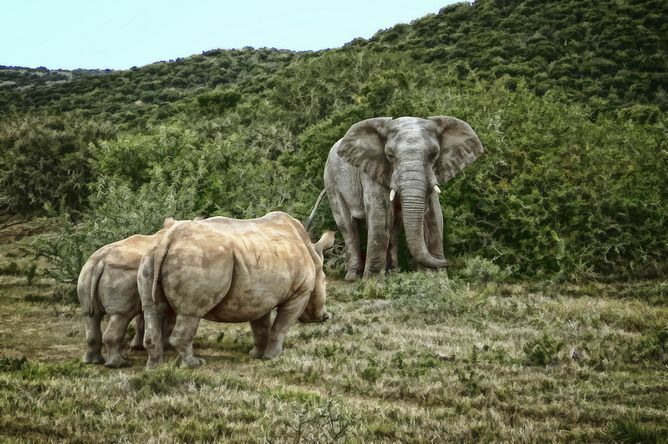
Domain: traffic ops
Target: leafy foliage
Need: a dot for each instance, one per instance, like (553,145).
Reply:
(566,96)
(542,351)
(608,54)
(44,163)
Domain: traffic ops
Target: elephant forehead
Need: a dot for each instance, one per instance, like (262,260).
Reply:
(413,136)
(412,129)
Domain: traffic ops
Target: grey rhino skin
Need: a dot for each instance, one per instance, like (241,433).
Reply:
(108,285)
(406,159)
(230,270)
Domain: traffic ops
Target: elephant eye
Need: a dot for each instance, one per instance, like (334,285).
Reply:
(390,156)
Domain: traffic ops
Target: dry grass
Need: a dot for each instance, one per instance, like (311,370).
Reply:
(414,358)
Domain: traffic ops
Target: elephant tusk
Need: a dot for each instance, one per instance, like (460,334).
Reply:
(437,189)
(392,193)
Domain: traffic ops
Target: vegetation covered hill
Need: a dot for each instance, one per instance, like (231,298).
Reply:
(138,93)
(567,96)
(608,54)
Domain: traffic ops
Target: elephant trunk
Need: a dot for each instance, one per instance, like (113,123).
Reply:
(413,197)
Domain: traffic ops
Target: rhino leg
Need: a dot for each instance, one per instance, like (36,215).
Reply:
(137,342)
(153,342)
(286,317)
(93,339)
(113,340)
(181,339)
(167,328)
(260,329)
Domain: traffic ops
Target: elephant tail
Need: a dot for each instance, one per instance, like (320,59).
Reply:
(309,221)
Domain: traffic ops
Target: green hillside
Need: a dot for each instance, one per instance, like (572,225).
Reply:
(135,94)
(569,98)
(608,54)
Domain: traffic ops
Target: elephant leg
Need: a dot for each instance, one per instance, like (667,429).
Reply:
(260,329)
(287,315)
(349,228)
(93,339)
(433,226)
(380,218)
(181,339)
(113,339)
(137,342)
(393,248)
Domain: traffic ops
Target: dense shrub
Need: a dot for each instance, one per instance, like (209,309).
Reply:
(117,212)
(572,183)
(45,163)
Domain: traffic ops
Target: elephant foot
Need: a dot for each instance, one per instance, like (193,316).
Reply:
(93,358)
(136,345)
(351,276)
(153,363)
(192,361)
(272,353)
(117,362)
(373,274)
(256,353)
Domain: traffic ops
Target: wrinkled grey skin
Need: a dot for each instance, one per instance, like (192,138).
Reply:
(411,156)
(108,285)
(229,270)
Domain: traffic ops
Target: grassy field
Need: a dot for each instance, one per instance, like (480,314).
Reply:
(413,358)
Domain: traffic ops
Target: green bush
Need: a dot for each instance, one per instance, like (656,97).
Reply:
(572,184)
(632,430)
(543,351)
(45,163)
(478,269)
(219,100)
(117,212)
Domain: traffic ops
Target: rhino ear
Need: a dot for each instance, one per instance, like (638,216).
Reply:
(363,146)
(325,243)
(460,146)
(169,221)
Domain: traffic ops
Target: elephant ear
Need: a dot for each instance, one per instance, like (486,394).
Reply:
(460,146)
(363,146)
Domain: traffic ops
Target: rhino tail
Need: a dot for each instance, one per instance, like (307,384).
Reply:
(92,303)
(155,265)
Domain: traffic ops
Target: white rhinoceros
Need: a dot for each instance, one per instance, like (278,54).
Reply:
(230,270)
(108,285)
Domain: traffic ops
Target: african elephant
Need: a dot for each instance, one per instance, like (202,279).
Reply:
(387,171)
(229,270)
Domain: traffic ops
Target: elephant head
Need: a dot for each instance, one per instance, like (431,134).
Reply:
(411,157)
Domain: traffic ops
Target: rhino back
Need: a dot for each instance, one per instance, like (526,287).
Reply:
(116,288)
(237,270)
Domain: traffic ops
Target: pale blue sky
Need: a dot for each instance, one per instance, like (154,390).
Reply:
(119,34)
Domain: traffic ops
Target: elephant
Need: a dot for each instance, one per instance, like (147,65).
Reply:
(387,171)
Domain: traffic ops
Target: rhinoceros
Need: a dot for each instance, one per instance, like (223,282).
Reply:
(230,270)
(108,285)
